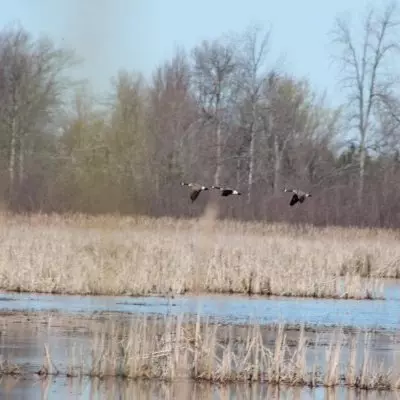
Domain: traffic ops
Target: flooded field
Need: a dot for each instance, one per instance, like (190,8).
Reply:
(81,346)
(365,314)
(69,337)
(81,332)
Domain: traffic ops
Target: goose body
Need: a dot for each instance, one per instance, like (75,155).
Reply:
(298,196)
(226,191)
(195,189)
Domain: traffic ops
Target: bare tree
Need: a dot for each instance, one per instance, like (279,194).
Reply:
(32,87)
(284,119)
(366,76)
(213,80)
(221,116)
(83,154)
(252,74)
(128,140)
(173,123)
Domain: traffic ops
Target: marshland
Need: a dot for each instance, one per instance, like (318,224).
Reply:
(223,223)
(109,255)
(140,298)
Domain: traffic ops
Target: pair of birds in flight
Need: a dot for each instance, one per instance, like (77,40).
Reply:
(298,195)
(196,189)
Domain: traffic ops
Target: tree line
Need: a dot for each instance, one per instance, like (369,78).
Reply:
(222,113)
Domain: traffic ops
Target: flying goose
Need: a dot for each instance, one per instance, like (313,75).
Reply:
(196,189)
(298,196)
(226,191)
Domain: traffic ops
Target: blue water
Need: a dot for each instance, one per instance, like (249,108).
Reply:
(233,309)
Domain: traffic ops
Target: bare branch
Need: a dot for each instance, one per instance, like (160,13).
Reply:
(364,77)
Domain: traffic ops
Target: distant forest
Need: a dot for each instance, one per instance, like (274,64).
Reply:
(223,113)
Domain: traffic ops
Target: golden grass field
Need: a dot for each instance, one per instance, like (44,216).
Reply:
(114,255)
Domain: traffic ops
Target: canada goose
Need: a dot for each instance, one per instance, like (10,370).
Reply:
(226,191)
(196,189)
(298,196)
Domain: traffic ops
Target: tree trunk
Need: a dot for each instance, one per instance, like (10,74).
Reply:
(11,165)
(361,172)
(251,155)
(21,159)
(238,165)
(217,175)
(277,157)
(277,166)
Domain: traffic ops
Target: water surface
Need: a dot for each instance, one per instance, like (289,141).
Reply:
(229,309)
(94,389)
(24,343)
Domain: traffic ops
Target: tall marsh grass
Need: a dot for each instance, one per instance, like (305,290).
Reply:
(182,348)
(172,349)
(113,255)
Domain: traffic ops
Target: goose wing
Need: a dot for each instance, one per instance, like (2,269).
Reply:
(226,192)
(194,194)
(294,200)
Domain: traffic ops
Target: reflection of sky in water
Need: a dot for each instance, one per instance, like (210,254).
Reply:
(26,345)
(361,313)
(61,388)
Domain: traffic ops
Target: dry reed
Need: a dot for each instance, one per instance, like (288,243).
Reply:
(78,254)
(180,348)
(174,349)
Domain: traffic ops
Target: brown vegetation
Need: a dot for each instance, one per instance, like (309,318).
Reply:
(222,113)
(173,348)
(140,256)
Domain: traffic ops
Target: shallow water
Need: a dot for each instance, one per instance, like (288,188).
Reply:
(94,389)
(25,342)
(71,339)
(230,309)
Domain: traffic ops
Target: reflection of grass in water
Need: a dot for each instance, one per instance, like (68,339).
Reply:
(176,348)
(115,388)
(140,255)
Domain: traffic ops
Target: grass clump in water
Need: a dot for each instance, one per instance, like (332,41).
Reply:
(179,348)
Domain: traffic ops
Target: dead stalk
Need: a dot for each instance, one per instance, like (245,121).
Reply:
(99,255)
